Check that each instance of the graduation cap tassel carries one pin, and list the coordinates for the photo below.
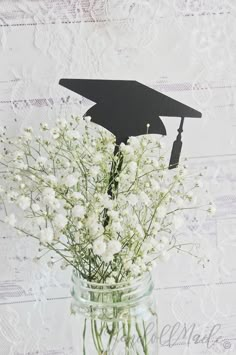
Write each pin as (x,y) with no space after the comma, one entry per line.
(176,148)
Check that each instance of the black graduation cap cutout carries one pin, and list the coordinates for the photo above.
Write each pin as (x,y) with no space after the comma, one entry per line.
(125,107)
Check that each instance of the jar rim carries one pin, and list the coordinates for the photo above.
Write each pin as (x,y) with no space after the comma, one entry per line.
(130,282)
(101,295)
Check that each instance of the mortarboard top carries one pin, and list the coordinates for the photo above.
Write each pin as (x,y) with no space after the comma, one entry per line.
(125,107)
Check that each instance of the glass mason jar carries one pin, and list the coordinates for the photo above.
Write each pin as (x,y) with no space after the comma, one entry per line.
(117,319)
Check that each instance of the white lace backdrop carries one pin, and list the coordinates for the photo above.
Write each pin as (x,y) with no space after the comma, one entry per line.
(183,48)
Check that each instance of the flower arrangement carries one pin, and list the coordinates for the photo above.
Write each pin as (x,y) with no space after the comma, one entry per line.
(110,212)
(109,216)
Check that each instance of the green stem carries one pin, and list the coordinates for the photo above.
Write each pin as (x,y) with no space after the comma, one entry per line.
(95,338)
(98,337)
(142,340)
(128,335)
(84,337)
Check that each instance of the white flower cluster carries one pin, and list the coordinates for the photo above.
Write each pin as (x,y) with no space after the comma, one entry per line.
(109,216)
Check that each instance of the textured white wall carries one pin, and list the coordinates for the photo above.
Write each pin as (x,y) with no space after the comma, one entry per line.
(183,48)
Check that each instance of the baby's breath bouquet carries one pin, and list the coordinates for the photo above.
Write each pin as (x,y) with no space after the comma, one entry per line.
(110,212)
